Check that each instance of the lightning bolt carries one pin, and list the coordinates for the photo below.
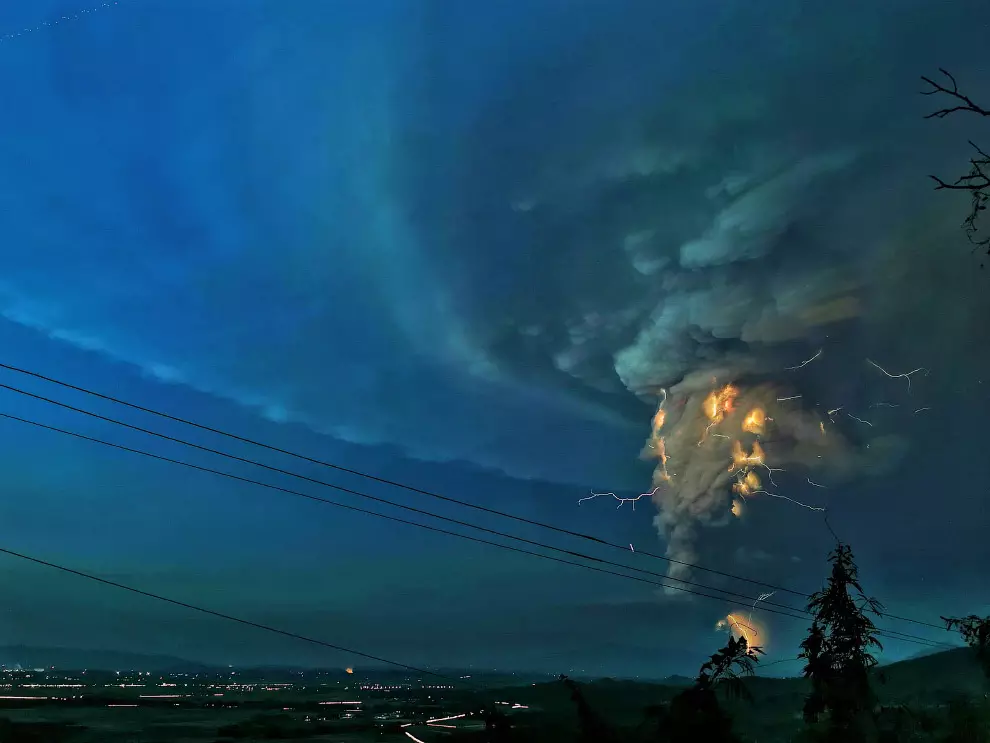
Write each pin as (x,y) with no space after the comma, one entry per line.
(806,361)
(860,420)
(905,375)
(795,502)
(620,500)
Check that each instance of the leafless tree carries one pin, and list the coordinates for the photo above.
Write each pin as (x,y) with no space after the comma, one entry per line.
(977,181)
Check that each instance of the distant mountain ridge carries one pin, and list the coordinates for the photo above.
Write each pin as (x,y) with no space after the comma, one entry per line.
(105,660)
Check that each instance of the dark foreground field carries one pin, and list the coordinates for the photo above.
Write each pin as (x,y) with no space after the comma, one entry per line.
(926,686)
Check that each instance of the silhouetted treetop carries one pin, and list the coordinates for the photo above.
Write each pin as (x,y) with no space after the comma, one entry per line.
(977,181)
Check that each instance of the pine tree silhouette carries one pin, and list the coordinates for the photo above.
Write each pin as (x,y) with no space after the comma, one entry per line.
(838,651)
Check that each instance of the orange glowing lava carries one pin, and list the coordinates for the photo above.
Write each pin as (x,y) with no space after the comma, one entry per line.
(755,421)
(740,459)
(746,484)
(720,402)
(717,404)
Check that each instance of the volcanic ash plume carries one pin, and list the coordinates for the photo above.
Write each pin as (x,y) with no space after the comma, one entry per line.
(719,444)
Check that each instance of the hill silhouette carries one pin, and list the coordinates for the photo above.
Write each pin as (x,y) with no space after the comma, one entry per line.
(775,713)
(77,659)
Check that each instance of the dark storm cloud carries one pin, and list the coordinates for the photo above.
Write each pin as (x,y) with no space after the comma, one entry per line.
(732,202)
(488,234)
(249,243)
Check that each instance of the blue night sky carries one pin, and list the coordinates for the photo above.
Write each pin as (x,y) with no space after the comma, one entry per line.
(462,245)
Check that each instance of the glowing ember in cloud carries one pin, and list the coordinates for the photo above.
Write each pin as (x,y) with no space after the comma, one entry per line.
(349,670)
(737,508)
(656,442)
(717,404)
(741,460)
(662,455)
(746,483)
(755,421)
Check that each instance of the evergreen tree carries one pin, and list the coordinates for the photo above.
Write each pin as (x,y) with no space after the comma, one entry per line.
(838,650)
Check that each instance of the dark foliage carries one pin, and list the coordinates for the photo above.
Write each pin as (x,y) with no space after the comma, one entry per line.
(838,649)
(37,732)
(967,723)
(976,632)
(902,724)
(592,728)
(695,714)
(977,181)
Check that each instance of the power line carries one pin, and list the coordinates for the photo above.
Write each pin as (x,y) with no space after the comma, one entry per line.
(231,618)
(221,615)
(383,480)
(787,610)
(392,483)
(400,505)
(349,491)
(397,519)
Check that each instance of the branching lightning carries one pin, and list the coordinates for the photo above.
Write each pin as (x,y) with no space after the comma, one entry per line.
(812,482)
(920,410)
(621,500)
(792,397)
(795,502)
(762,597)
(905,375)
(806,361)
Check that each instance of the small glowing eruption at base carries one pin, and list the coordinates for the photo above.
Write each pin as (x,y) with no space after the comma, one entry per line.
(738,626)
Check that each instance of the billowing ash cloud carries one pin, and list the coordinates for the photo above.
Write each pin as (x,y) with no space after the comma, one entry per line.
(714,230)
(702,474)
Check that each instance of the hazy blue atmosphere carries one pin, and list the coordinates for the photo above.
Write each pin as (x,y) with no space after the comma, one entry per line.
(464,245)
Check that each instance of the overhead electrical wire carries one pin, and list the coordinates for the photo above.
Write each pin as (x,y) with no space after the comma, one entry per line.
(727,595)
(384,480)
(397,484)
(222,615)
